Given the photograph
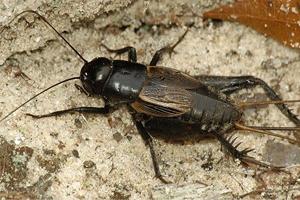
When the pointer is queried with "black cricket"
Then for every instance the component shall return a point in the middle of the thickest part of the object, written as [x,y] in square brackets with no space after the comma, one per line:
[165,102]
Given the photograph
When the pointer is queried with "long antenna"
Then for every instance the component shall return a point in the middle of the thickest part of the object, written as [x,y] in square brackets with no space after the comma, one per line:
[52,86]
[45,20]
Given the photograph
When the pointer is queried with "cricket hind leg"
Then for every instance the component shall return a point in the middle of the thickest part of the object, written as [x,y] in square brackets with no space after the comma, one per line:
[228,143]
[231,147]
[230,84]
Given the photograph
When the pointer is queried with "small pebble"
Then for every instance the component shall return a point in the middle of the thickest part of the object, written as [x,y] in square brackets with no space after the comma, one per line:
[88,164]
[75,153]
[117,136]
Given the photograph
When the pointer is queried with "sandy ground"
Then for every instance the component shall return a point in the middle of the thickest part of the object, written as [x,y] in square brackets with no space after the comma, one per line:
[87,156]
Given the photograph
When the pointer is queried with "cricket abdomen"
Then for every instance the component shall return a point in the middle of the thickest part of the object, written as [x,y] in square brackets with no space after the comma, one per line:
[207,114]
[212,113]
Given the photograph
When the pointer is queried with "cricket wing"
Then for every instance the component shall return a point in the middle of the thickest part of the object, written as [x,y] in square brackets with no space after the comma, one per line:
[161,101]
[171,77]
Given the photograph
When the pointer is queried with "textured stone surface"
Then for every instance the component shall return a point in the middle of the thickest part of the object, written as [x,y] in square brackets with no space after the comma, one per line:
[281,154]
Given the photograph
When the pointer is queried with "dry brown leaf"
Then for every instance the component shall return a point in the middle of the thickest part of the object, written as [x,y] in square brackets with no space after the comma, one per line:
[279,19]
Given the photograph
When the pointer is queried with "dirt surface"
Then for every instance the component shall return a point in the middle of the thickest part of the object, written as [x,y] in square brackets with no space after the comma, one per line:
[88,156]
